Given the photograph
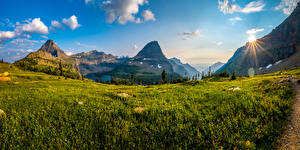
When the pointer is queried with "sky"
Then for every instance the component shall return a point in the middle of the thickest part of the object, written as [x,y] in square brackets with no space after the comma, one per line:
[195,31]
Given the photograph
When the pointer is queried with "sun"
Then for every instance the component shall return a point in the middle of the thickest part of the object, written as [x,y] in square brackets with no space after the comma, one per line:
[251,38]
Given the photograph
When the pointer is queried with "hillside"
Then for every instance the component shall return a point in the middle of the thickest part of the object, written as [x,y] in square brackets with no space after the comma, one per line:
[275,51]
[40,111]
[50,59]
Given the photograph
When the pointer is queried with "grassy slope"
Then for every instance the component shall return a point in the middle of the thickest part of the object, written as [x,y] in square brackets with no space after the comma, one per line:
[42,111]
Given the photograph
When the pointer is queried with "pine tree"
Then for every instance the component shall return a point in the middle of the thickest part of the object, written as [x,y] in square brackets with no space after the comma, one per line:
[209,72]
[132,80]
[233,77]
[60,68]
[164,76]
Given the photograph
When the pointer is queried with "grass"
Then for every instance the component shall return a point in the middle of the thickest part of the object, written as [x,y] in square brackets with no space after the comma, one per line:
[49,112]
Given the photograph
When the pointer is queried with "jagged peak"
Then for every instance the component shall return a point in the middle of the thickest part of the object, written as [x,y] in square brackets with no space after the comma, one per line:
[50,44]
[152,49]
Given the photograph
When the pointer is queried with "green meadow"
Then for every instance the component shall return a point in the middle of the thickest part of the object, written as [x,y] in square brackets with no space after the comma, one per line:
[50,112]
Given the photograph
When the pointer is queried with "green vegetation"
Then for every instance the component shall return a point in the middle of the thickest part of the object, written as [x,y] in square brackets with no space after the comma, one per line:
[51,112]
[65,70]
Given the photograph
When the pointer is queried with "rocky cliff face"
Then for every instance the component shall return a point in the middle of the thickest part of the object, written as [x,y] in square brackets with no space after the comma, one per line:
[183,69]
[264,55]
[95,62]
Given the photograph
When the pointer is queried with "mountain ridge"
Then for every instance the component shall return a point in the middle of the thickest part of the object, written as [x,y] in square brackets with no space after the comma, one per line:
[282,44]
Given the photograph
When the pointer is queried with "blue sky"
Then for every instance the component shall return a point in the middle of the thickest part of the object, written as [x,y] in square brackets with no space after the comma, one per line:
[195,31]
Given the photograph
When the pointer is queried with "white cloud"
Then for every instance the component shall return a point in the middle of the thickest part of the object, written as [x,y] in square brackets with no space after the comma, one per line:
[43,36]
[85,45]
[287,6]
[227,8]
[148,15]
[56,24]
[254,31]
[71,22]
[23,43]
[189,35]
[7,34]
[235,19]
[219,43]
[69,53]
[122,10]
[255,6]
[30,50]
[36,26]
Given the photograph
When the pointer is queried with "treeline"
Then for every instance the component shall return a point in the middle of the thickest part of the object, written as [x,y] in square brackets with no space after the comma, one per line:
[62,70]
[132,80]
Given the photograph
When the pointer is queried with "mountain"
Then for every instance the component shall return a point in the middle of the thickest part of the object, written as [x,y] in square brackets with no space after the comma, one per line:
[276,51]
[50,59]
[183,69]
[95,62]
[213,68]
[147,65]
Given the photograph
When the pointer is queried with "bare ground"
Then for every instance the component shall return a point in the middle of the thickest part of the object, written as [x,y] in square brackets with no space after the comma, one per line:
[291,137]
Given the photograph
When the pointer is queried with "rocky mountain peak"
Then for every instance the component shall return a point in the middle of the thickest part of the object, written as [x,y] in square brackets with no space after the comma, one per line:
[53,49]
[151,50]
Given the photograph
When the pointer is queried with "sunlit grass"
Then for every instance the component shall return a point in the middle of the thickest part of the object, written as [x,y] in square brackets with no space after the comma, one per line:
[49,112]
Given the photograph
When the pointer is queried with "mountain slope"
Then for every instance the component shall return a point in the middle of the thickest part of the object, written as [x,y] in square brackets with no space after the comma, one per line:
[95,62]
[183,69]
[147,65]
[50,59]
[279,49]
[213,68]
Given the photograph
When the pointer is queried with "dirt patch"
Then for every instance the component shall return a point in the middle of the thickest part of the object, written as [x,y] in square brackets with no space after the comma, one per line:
[291,137]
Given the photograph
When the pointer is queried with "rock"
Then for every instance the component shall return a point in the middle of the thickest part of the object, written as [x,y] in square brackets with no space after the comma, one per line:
[124,95]
[234,89]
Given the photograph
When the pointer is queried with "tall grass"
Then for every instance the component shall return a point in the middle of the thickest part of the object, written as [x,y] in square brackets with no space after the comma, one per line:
[45,113]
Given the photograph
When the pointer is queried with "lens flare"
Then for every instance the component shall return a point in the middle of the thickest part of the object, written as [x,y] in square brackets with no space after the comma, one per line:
[251,38]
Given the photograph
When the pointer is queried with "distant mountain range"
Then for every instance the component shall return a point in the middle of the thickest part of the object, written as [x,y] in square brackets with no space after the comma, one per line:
[183,69]
[147,65]
[278,50]
[213,68]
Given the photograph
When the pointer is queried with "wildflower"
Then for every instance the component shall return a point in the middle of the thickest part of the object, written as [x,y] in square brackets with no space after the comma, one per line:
[2,113]
[248,143]
[139,109]
[5,74]
[4,79]
[80,103]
